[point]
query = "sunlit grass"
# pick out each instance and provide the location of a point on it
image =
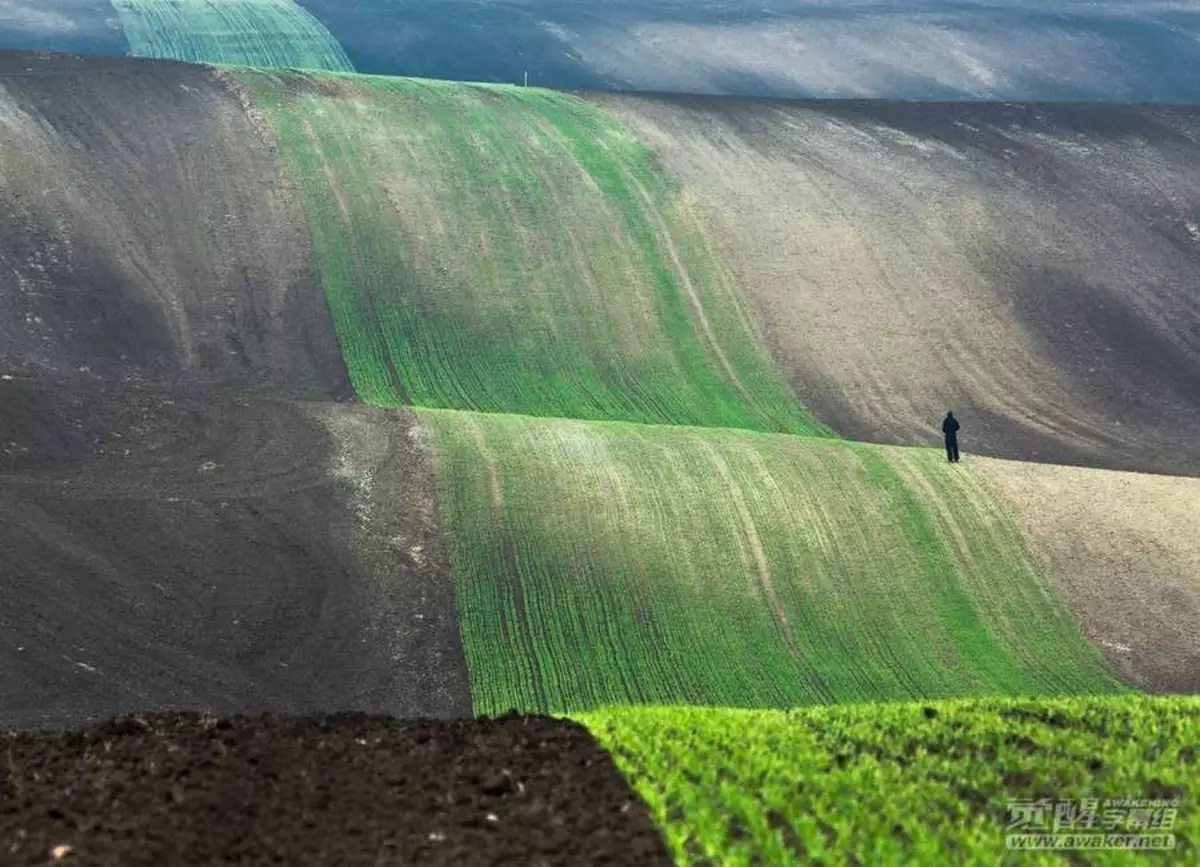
(903, 783)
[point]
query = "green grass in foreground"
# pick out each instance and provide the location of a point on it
(609, 563)
(246, 32)
(510, 249)
(899, 783)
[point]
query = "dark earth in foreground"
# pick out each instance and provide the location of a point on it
(344, 789)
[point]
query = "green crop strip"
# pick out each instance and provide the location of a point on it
(509, 249)
(246, 32)
(902, 783)
(609, 563)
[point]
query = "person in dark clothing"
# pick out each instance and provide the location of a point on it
(950, 428)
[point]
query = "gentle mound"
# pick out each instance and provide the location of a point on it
(248, 32)
(344, 789)
(902, 783)
(514, 250)
(601, 563)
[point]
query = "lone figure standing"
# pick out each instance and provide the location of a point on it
(950, 429)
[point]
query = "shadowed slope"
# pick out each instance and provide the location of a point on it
(607, 563)
(174, 530)
(1033, 267)
(147, 230)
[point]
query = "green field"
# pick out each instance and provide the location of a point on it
(901, 783)
(275, 33)
(611, 563)
(510, 249)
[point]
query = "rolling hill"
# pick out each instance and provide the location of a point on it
(330, 392)
(179, 230)
(1033, 265)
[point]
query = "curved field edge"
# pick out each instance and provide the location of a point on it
(271, 33)
(509, 249)
(907, 782)
(608, 563)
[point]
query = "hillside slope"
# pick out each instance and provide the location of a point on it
(611, 563)
(248, 32)
(1123, 550)
(1033, 267)
(1029, 266)
(175, 237)
(194, 548)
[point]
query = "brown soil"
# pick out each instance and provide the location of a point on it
(1123, 550)
(1029, 266)
(347, 789)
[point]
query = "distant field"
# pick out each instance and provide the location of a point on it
(514, 250)
(247, 32)
(608, 563)
(901, 783)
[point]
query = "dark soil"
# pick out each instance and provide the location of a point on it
(344, 789)
(171, 548)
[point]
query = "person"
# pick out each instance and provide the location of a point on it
(950, 428)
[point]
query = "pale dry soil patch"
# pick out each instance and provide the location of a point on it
(1123, 550)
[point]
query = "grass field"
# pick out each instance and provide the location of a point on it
(246, 32)
(902, 783)
(610, 563)
(510, 249)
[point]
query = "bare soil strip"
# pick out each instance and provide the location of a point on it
(148, 230)
(347, 789)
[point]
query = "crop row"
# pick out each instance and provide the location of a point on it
(910, 783)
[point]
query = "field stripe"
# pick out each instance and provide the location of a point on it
(514, 250)
(608, 562)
